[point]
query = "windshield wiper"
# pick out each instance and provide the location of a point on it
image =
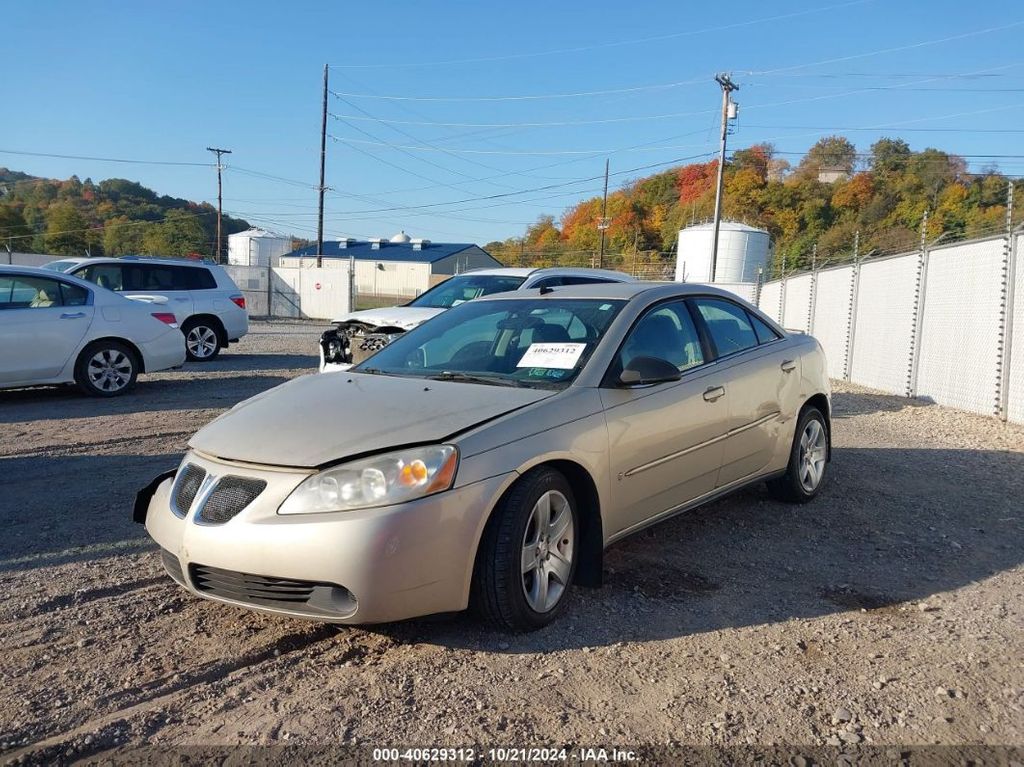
(449, 375)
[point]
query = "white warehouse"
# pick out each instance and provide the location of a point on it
(257, 247)
(742, 250)
(401, 267)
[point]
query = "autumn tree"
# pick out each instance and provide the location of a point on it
(65, 230)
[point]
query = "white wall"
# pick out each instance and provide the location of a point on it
(770, 301)
(964, 323)
(833, 291)
(1015, 377)
(293, 292)
(959, 358)
(797, 309)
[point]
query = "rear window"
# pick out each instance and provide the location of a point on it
(143, 277)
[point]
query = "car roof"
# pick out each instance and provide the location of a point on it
(623, 291)
(50, 274)
(526, 271)
(138, 259)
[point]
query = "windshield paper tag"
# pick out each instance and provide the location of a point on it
(557, 356)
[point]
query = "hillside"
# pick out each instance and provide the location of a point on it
(882, 194)
(114, 217)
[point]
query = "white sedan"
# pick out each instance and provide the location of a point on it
(57, 329)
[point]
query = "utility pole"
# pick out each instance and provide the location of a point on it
(220, 201)
(322, 188)
(603, 226)
(728, 112)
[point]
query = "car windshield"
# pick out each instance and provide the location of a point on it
(465, 287)
(534, 342)
(60, 266)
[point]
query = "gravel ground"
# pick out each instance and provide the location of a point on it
(889, 611)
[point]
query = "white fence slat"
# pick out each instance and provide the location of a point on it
(1015, 381)
(885, 318)
(798, 303)
(958, 363)
(771, 299)
(832, 316)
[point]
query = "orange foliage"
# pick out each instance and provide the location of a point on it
(695, 180)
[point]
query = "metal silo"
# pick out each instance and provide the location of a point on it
(742, 250)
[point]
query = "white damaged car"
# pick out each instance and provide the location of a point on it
(357, 335)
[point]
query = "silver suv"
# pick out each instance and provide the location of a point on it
(209, 307)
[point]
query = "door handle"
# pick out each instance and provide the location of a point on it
(714, 393)
(788, 366)
(73, 316)
(181, 299)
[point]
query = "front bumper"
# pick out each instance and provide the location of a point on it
(367, 566)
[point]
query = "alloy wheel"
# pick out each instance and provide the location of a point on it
(547, 551)
(813, 454)
(201, 341)
(109, 370)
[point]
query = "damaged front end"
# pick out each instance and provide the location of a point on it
(351, 342)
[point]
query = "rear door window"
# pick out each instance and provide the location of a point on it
(728, 325)
(24, 292)
(199, 278)
(73, 295)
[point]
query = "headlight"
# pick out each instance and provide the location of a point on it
(382, 480)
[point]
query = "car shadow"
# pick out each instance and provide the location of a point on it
(72, 508)
(892, 526)
(231, 361)
(194, 392)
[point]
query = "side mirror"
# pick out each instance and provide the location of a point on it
(648, 370)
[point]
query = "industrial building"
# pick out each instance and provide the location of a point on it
(257, 247)
(401, 266)
(742, 251)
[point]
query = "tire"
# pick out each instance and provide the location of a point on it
(808, 460)
(202, 340)
(106, 369)
(504, 594)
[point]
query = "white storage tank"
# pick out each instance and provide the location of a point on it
(257, 247)
(742, 250)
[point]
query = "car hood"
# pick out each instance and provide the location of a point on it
(320, 419)
(405, 317)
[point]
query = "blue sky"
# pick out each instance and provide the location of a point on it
(162, 81)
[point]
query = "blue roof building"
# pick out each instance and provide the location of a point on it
(401, 267)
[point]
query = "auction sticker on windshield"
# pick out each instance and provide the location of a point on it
(558, 356)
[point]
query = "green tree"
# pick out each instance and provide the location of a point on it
(179, 234)
(14, 230)
(122, 237)
(65, 230)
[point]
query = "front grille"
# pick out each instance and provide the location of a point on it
(172, 565)
(190, 479)
(230, 496)
(328, 600)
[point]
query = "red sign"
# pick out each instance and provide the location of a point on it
(317, 286)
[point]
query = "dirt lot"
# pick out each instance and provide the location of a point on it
(887, 612)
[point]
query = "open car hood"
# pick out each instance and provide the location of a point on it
(405, 317)
(321, 419)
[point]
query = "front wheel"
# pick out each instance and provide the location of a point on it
(106, 369)
(528, 554)
(202, 341)
(808, 460)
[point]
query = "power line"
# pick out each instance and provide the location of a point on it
(526, 97)
(601, 46)
(106, 159)
(882, 51)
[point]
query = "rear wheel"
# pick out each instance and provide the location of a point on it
(808, 460)
(202, 340)
(528, 554)
(106, 369)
